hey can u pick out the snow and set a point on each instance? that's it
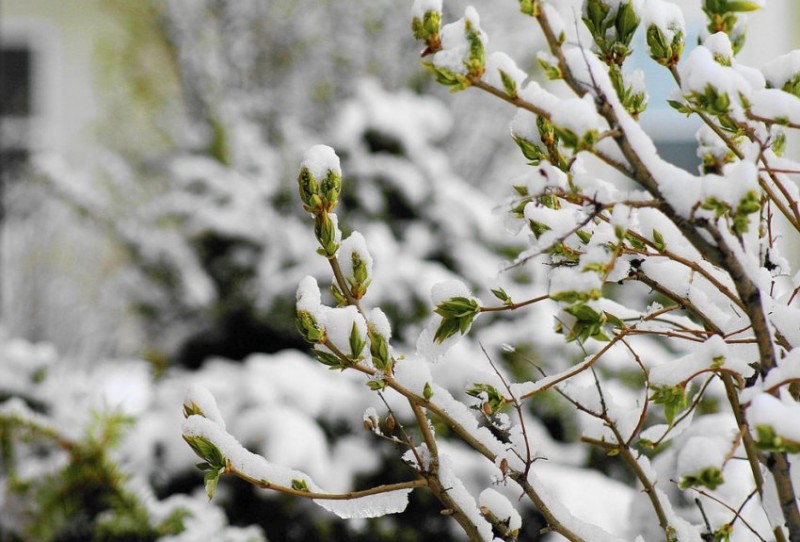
(564, 279)
(355, 244)
(578, 115)
(782, 69)
(372, 506)
(538, 96)
(501, 507)
(258, 468)
(199, 400)
(714, 351)
(339, 322)
(309, 298)
(413, 373)
(776, 105)
(781, 414)
(666, 16)
(700, 71)
(720, 46)
(463, 499)
(455, 46)
(319, 160)
(701, 453)
(421, 7)
(444, 291)
(379, 323)
(501, 62)
(737, 179)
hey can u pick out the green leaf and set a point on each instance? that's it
(357, 343)
(673, 398)
(742, 6)
(509, 84)
(206, 450)
(427, 391)
(210, 480)
(710, 477)
(658, 240)
(501, 294)
(489, 394)
(299, 485)
(329, 360)
(376, 385)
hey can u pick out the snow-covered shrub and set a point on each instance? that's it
(209, 225)
(673, 280)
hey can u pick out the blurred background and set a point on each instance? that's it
(151, 236)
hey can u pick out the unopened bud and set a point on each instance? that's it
(391, 423)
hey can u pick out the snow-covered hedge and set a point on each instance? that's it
(676, 281)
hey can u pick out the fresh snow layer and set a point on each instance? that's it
(501, 62)
(421, 7)
(320, 159)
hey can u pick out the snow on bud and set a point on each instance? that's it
(421, 7)
(463, 46)
(371, 420)
(502, 72)
(309, 311)
(380, 331)
(356, 262)
(700, 461)
(775, 422)
(326, 229)
(556, 22)
(710, 85)
(199, 401)
(496, 508)
(666, 31)
(612, 24)
(720, 45)
(570, 284)
(320, 178)
(783, 72)
(414, 373)
(576, 121)
(456, 308)
(346, 330)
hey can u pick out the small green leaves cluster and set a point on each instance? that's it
(319, 194)
(546, 149)
(320, 197)
(309, 328)
(571, 140)
(427, 29)
(634, 102)
(589, 323)
(379, 349)
(531, 7)
(551, 71)
(214, 463)
(710, 477)
(457, 315)
(474, 64)
(740, 222)
(674, 399)
(768, 439)
(360, 280)
(612, 30)
(667, 53)
(722, 18)
(492, 401)
(792, 86)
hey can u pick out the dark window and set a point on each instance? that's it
(16, 108)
